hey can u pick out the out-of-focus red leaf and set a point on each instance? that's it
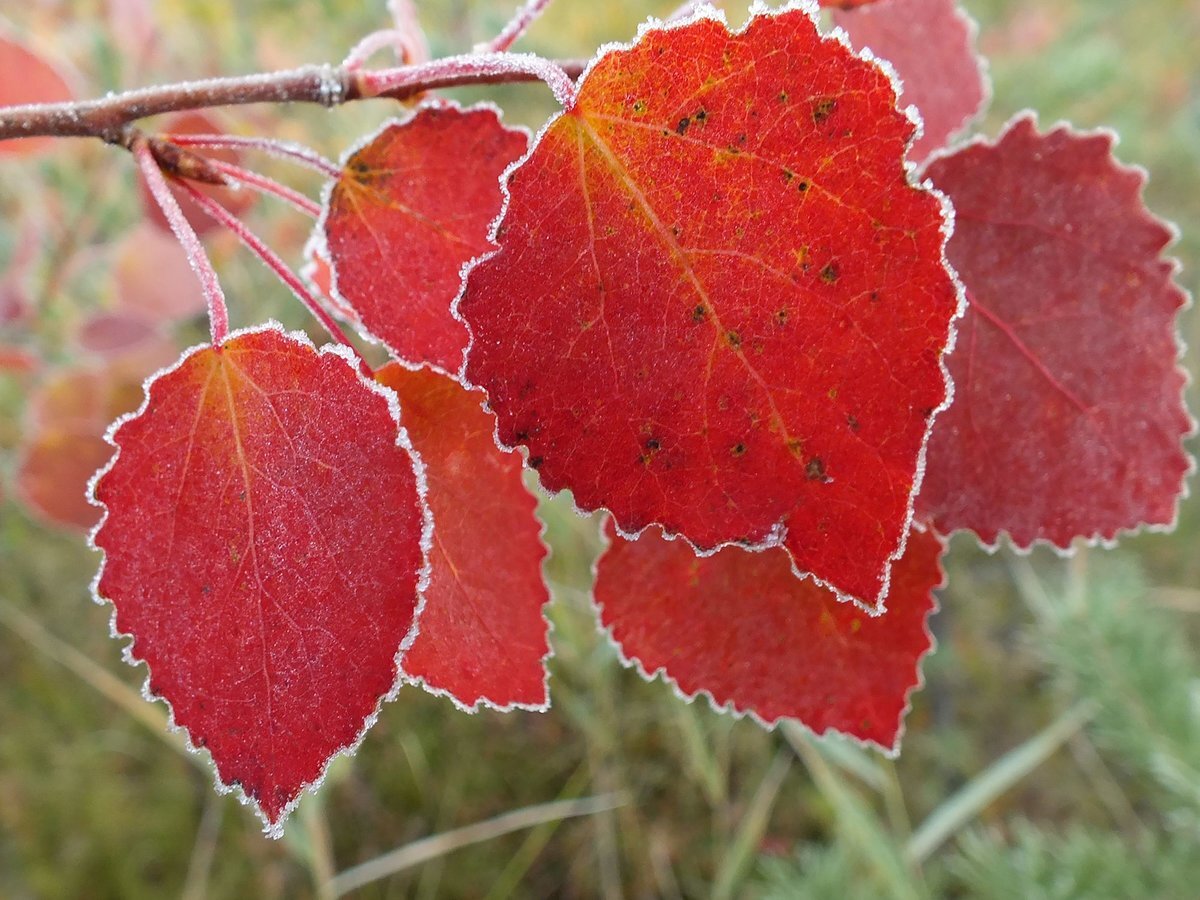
(134, 29)
(844, 4)
(63, 443)
(236, 200)
(930, 43)
(482, 635)
(742, 628)
(719, 304)
(28, 77)
(414, 205)
(114, 333)
(1068, 414)
(14, 359)
(152, 278)
(263, 547)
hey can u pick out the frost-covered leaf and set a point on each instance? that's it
(412, 206)
(742, 628)
(719, 305)
(263, 544)
(318, 274)
(28, 77)
(1068, 412)
(931, 44)
(482, 638)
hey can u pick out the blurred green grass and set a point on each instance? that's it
(93, 803)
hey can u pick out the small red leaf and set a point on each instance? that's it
(414, 205)
(28, 77)
(482, 637)
(740, 627)
(263, 544)
(1068, 414)
(63, 442)
(930, 43)
(152, 278)
(318, 274)
(719, 305)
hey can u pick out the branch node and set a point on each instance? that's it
(181, 163)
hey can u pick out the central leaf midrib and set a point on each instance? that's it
(668, 240)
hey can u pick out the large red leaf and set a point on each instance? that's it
(719, 304)
(931, 44)
(483, 638)
(741, 628)
(1068, 413)
(263, 547)
(28, 77)
(412, 206)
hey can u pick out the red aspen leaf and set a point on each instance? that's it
(16, 360)
(115, 333)
(742, 629)
(931, 45)
(1068, 412)
(28, 77)
(413, 205)
(263, 548)
(152, 277)
(317, 273)
(236, 200)
(483, 637)
(63, 444)
(719, 304)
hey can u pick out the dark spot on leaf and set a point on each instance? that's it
(738, 449)
(653, 444)
(699, 314)
(521, 436)
(535, 462)
(781, 316)
(874, 296)
(795, 446)
(783, 97)
(829, 274)
(733, 339)
(702, 115)
(815, 469)
(682, 127)
(823, 109)
(639, 106)
(802, 187)
(852, 422)
(788, 175)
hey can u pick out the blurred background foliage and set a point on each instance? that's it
(1055, 749)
